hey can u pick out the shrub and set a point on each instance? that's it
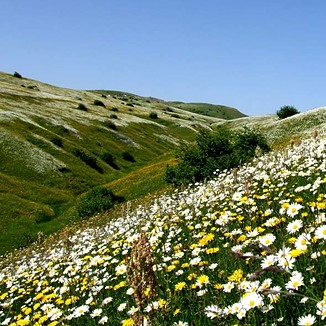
(286, 111)
(99, 103)
(43, 216)
(96, 201)
(108, 158)
(82, 107)
(114, 109)
(110, 125)
(221, 150)
(128, 157)
(57, 141)
(17, 75)
(113, 116)
(89, 160)
(153, 115)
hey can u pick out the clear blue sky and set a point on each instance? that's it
(255, 55)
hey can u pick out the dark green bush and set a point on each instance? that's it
(113, 116)
(99, 103)
(17, 75)
(128, 157)
(108, 158)
(153, 115)
(110, 125)
(221, 150)
(57, 141)
(89, 160)
(43, 216)
(82, 107)
(286, 111)
(114, 109)
(96, 201)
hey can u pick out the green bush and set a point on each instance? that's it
(57, 141)
(113, 116)
(42, 216)
(128, 157)
(110, 125)
(108, 158)
(153, 115)
(89, 160)
(286, 111)
(221, 150)
(96, 201)
(99, 103)
(82, 107)
(17, 75)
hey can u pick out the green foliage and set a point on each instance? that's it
(99, 103)
(113, 116)
(286, 111)
(82, 107)
(110, 125)
(17, 75)
(108, 158)
(89, 160)
(96, 201)
(224, 149)
(153, 115)
(57, 141)
(127, 156)
(43, 216)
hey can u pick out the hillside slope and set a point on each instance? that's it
(57, 143)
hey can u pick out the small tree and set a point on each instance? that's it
(223, 149)
(99, 103)
(286, 111)
(17, 74)
(153, 115)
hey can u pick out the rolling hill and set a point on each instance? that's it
(57, 143)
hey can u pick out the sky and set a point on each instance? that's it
(254, 55)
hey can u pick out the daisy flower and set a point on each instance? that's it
(294, 226)
(293, 209)
(267, 239)
(306, 320)
(296, 280)
(320, 232)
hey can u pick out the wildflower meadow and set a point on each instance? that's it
(247, 247)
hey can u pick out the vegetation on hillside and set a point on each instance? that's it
(244, 248)
(223, 149)
(286, 111)
(212, 110)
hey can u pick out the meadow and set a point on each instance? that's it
(245, 248)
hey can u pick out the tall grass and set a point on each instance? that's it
(246, 248)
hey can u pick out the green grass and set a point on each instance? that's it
(212, 110)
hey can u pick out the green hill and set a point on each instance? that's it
(57, 143)
(211, 110)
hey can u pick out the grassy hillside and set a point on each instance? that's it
(212, 110)
(57, 143)
(281, 132)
